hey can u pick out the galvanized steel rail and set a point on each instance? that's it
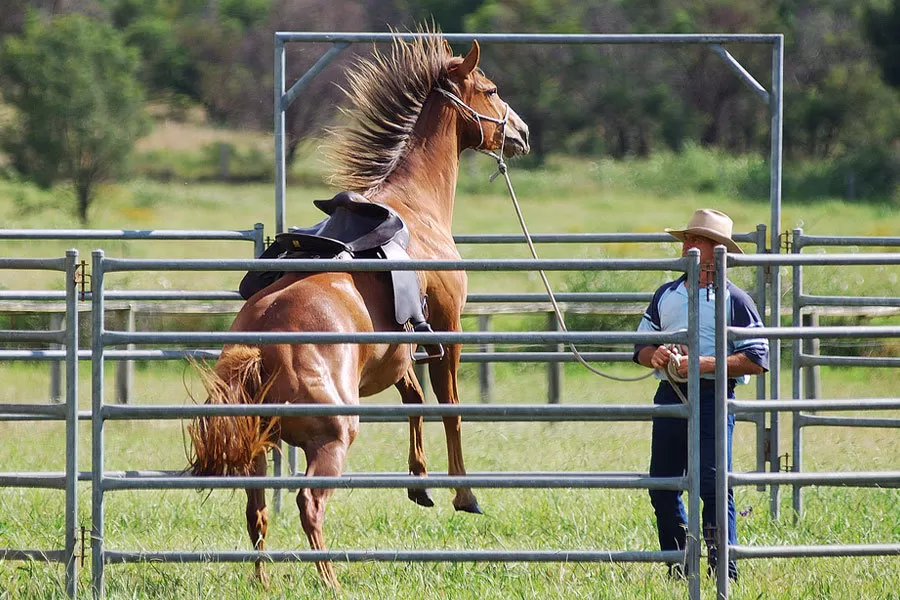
(103, 482)
(66, 481)
(726, 479)
(811, 360)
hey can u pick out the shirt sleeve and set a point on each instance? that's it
(649, 322)
(745, 314)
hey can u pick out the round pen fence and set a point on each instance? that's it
(806, 356)
(104, 482)
(67, 479)
(184, 344)
(796, 333)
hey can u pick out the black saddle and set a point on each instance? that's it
(354, 228)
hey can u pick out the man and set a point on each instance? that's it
(668, 453)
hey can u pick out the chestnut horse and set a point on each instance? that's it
(415, 110)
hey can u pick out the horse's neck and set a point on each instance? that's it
(423, 188)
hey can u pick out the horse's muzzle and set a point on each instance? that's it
(516, 136)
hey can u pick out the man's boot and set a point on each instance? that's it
(712, 553)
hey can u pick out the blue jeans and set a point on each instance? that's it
(668, 458)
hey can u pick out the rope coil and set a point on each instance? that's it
(673, 364)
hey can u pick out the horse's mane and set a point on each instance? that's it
(387, 93)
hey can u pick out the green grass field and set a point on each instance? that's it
(567, 196)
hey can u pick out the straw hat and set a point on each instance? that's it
(712, 224)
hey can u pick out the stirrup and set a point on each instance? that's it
(432, 351)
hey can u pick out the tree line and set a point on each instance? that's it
(78, 72)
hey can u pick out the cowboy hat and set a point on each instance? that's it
(712, 224)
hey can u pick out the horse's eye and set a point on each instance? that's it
(491, 92)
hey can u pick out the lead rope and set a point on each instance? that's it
(671, 372)
(503, 170)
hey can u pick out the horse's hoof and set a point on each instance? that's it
(470, 508)
(262, 577)
(422, 497)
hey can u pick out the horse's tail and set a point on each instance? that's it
(227, 445)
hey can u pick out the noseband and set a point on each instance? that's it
(482, 117)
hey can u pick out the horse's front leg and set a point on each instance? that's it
(258, 516)
(411, 393)
(443, 380)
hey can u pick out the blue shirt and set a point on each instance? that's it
(668, 311)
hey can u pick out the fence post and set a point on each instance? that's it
(485, 370)
(277, 471)
(125, 368)
(812, 384)
(56, 322)
(259, 241)
(554, 368)
(421, 370)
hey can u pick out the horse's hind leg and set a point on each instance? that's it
(323, 460)
(411, 393)
(443, 380)
(258, 516)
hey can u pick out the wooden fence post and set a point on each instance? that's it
(125, 368)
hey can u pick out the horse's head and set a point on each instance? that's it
(490, 124)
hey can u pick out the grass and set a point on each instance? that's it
(515, 519)
(569, 195)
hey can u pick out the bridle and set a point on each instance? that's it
(479, 117)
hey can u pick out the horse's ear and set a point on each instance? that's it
(447, 47)
(470, 61)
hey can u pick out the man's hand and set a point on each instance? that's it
(660, 357)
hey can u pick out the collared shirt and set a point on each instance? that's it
(668, 311)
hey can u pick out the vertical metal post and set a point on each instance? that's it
(812, 383)
(554, 369)
(280, 164)
(98, 581)
(796, 381)
(421, 370)
(692, 558)
(277, 471)
(762, 434)
(56, 394)
(71, 339)
(485, 369)
(125, 368)
(776, 114)
(721, 428)
(259, 240)
(292, 461)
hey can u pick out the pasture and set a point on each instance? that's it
(567, 196)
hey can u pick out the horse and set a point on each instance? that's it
(413, 111)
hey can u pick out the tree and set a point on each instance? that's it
(882, 26)
(79, 108)
(449, 15)
(542, 82)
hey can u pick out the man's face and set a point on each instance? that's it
(703, 244)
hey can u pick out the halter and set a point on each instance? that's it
(478, 118)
